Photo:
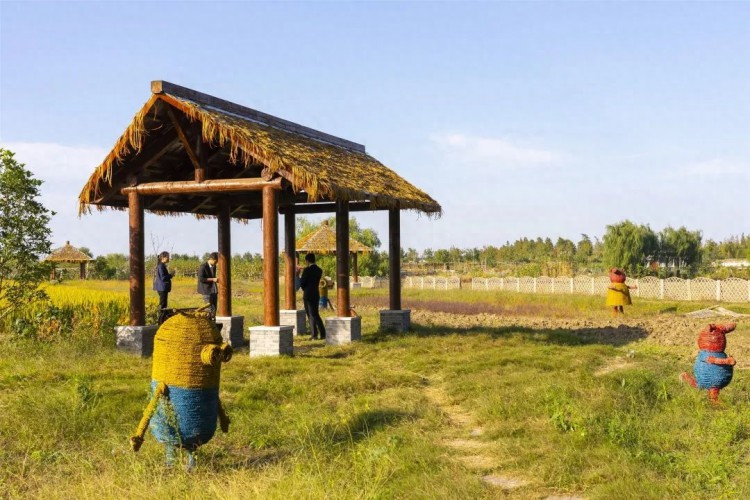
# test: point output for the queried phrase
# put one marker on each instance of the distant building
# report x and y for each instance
(733, 263)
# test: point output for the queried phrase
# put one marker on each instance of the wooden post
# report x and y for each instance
(270, 257)
(137, 268)
(342, 258)
(83, 271)
(224, 272)
(355, 271)
(394, 258)
(290, 298)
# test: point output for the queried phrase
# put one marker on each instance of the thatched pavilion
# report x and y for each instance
(70, 255)
(322, 241)
(186, 152)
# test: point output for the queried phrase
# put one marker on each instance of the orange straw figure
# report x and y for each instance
(618, 293)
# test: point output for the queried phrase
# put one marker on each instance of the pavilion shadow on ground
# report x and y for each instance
(614, 336)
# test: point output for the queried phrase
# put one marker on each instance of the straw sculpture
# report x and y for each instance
(185, 405)
(713, 368)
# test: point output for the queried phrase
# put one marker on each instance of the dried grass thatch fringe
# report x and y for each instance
(322, 170)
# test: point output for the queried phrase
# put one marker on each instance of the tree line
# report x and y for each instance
(636, 248)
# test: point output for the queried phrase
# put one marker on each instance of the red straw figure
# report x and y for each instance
(713, 369)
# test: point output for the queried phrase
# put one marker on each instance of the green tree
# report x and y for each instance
(680, 250)
(629, 246)
(24, 236)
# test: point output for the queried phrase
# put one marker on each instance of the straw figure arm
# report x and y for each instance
(729, 360)
(223, 419)
(137, 439)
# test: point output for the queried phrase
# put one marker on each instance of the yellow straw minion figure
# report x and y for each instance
(185, 404)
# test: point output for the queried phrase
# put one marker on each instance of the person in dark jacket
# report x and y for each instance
(162, 283)
(207, 281)
(309, 282)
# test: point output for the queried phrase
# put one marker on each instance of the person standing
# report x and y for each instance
(309, 282)
(207, 281)
(163, 283)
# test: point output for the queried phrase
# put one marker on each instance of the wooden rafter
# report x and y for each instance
(183, 137)
(148, 156)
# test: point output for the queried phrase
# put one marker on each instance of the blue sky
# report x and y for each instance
(521, 119)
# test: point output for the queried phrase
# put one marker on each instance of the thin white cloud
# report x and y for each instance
(718, 167)
(57, 163)
(497, 151)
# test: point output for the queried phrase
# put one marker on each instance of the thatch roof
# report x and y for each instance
(323, 241)
(68, 253)
(241, 143)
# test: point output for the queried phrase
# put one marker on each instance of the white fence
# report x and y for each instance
(421, 283)
(728, 290)
(704, 289)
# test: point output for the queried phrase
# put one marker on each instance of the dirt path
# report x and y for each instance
(463, 437)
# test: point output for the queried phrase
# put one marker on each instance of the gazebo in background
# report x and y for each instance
(186, 152)
(70, 255)
(322, 241)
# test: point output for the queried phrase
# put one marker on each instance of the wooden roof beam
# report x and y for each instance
(323, 208)
(210, 186)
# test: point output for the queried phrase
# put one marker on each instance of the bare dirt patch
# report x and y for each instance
(668, 330)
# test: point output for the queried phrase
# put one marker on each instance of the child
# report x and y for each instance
(618, 293)
(324, 301)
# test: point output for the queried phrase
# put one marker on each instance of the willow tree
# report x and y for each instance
(24, 236)
(680, 249)
(630, 246)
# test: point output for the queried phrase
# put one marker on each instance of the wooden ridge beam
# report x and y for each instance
(164, 90)
(210, 186)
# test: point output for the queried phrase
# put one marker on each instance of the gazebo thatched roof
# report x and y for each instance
(323, 241)
(241, 143)
(68, 253)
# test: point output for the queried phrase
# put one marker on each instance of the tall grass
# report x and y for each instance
(74, 311)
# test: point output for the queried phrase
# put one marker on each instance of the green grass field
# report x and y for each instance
(420, 415)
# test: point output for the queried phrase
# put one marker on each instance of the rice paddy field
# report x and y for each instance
(491, 395)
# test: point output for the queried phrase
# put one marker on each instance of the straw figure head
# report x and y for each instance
(713, 338)
(617, 275)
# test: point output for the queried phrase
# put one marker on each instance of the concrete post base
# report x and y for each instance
(136, 339)
(271, 340)
(343, 330)
(395, 321)
(232, 329)
(294, 318)
(356, 285)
